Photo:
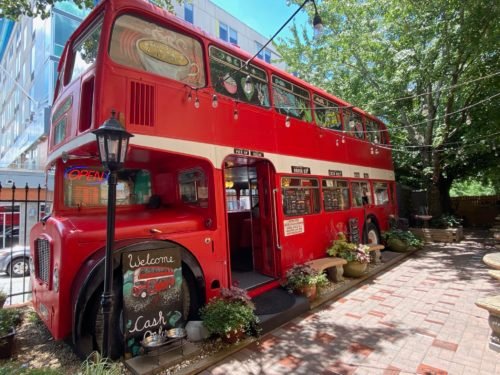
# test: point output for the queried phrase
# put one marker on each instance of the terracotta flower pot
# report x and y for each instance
(309, 291)
(355, 269)
(232, 337)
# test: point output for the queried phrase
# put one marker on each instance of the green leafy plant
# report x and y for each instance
(348, 251)
(301, 275)
(3, 298)
(230, 313)
(9, 319)
(95, 364)
(407, 237)
(446, 221)
(17, 369)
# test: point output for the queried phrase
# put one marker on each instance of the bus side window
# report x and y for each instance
(361, 194)
(381, 190)
(193, 187)
(335, 195)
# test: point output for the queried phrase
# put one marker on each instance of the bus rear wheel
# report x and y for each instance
(372, 234)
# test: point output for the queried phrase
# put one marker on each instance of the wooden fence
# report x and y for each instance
(477, 211)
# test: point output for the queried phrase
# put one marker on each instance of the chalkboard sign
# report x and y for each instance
(152, 301)
(354, 230)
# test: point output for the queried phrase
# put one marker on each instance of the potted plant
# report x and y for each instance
(357, 256)
(3, 298)
(230, 316)
(9, 319)
(401, 240)
(305, 280)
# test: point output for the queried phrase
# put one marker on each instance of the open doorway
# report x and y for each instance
(251, 221)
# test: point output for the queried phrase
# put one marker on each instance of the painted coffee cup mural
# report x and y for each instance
(150, 47)
(152, 300)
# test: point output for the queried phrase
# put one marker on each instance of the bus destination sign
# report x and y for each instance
(242, 151)
(301, 170)
(334, 173)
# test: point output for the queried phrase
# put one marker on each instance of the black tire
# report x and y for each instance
(95, 321)
(372, 234)
(19, 267)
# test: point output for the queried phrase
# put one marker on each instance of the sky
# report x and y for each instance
(264, 16)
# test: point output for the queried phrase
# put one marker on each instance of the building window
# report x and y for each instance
(228, 34)
(265, 54)
(63, 28)
(189, 12)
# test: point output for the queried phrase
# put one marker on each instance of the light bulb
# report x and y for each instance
(425, 110)
(468, 120)
(197, 103)
(287, 121)
(343, 139)
(376, 151)
(235, 114)
(337, 142)
(371, 150)
(190, 97)
(215, 101)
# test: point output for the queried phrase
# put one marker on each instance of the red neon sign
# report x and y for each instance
(89, 175)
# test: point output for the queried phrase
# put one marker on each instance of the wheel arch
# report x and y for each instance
(370, 219)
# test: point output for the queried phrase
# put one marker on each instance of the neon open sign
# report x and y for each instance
(86, 174)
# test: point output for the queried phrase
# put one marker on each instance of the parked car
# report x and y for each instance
(11, 236)
(15, 261)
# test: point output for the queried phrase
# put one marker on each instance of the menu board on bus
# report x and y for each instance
(295, 201)
(152, 301)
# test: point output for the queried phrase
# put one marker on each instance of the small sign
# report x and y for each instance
(301, 170)
(356, 174)
(365, 175)
(294, 226)
(354, 230)
(334, 173)
(242, 151)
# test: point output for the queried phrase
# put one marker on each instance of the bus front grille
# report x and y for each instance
(42, 248)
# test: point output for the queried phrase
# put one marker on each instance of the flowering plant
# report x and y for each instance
(230, 313)
(348, 251)
(301, 275)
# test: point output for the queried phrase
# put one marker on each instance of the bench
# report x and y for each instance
(332, 265)
(492, 305)
(375, 255)
(492, 260)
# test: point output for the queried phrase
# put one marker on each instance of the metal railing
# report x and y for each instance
(20, 209)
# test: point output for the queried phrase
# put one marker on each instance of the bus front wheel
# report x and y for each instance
(372, 234)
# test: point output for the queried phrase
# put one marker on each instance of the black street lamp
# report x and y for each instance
(112, 142)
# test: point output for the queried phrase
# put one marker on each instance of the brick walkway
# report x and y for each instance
(417, 318)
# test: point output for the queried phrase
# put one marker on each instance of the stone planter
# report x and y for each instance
(439, 235)
(309, 291)
(397, 245)
(355, 269)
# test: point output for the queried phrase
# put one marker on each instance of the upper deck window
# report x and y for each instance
(327, 113)
(146, 46)
(372, 131)
(229, 78)
(354, 124)
(291, 100)
(85, 51)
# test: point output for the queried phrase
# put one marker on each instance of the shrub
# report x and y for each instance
(405, 236)
(446, 221)
(231, 312)
(95, 364)
(9, 318)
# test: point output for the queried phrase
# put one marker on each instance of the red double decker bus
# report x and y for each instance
(238, 168)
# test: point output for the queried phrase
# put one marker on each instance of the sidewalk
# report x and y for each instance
(417, 318)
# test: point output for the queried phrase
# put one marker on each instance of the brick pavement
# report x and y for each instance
(417, 318)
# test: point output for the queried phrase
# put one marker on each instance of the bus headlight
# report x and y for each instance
(55, 280)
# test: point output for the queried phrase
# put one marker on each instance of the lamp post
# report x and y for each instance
(112, 142)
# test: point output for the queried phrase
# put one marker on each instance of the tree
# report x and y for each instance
(434, 54)
(13, 9)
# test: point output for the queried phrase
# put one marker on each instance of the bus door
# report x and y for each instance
(249, 187)
(263, 221)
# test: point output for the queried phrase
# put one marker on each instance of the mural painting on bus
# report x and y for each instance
(152, 300)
